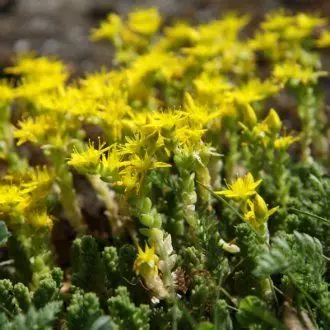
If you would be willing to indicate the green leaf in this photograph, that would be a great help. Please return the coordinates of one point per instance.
(103, 323)
(253, 310)
(41, 319)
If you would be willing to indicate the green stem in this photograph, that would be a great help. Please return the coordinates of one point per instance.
(233, 154)
(311, 215)
(108, 197)
(68, 197)
(307, 113)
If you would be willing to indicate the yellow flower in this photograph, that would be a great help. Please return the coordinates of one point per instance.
(143, 164)
(38, 182)
(265, 41)
(39, 75)
(146, 262)
(111, 162)
(31, 130)
(199, 116)
(210, 88)
(257, 212)
(249, 116)
(37, 66)
(294, 73)
(224, 30)
(165, 64)
(109, 29)
(12, 200)
(146, 21)
(7, 92)
(36, 130)
(254, 90)
(272, 122)
(309, 22)
(87, 161)
(203, 51)
(163, 122)
(139, 143)
(242, 188)
(324, 40)
(277, 21)
(285, 142)
(40, 219)
(180, 34)
(32, 86)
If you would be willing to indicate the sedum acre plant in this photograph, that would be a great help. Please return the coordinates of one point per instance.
(212, 206)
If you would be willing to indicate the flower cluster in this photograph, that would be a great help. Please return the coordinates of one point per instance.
(139, 155)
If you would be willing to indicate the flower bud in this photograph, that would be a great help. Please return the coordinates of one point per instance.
(260, 208)
(231, 248)
(188, 101)
(273, 121)
(249, 116)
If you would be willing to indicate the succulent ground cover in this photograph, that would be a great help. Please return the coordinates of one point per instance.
(215, 197)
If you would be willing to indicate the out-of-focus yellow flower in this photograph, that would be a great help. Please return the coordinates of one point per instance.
(283, 143)
(241, 189)
(277, 21)
(273, 122)
(202, 51)
(222, 30)
(249, 116)
(39, 75)
(32, 87)
(165, 64)
(180, 34)
(146, 21)
(309, 22)
(199, 116)
(109, 29)
(7, 92)
(254, 90)
(38, 181)
(265, 41)
(12, 200)
(324, 40)
(295, 73)
(68, 100)
(211, 87)
(40, 219)
(32, 130)
(36, 66)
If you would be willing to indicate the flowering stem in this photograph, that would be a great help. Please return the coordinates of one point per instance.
(108, 197)
(68, 197)
(232, 156)
(307, 114)
(7, 141)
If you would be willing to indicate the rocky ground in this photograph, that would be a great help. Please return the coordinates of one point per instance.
(61, 27)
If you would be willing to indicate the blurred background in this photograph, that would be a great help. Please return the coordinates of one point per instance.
(61, 27)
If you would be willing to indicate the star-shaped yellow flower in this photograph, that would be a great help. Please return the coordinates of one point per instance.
(242, 188)
(146, 262)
